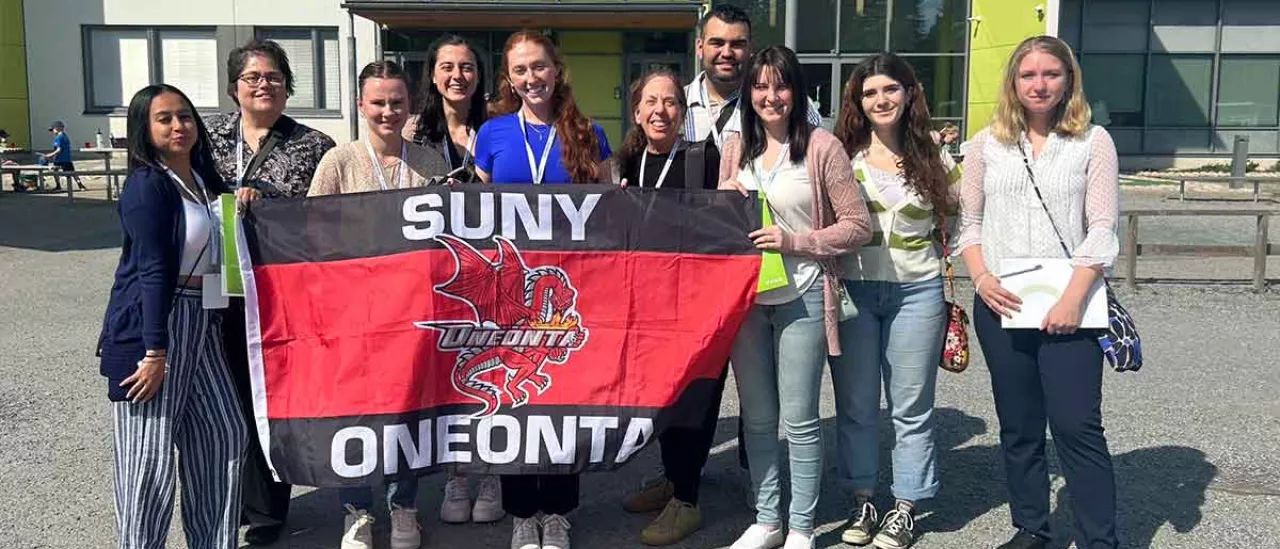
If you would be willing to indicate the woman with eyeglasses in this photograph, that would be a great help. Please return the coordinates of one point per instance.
(258, 147)
(161, 350)
(383, 161)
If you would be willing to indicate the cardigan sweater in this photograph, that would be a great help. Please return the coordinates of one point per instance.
(137, 316)
(840, 216)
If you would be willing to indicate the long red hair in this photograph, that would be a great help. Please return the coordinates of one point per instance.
(579, 146)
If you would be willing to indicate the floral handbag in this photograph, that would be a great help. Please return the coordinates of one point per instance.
(955, 342)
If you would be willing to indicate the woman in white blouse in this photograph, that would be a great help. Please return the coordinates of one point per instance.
(1054, 375)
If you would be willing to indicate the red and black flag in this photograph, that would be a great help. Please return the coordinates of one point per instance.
(505, 329)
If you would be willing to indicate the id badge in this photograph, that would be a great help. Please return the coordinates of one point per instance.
(211, 292)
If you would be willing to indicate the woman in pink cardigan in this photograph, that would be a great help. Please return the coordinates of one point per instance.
(818, 213)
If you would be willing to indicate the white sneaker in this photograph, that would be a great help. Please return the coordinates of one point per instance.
(405, 531)
(555, 532)
(357, 529)
(524, 534)
(456, 507)
(796, 540)
(759, 536)
(488, 506)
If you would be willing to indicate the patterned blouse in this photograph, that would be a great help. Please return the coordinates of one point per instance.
(287, 171)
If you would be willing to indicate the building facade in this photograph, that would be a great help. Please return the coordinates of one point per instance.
(1169, 78)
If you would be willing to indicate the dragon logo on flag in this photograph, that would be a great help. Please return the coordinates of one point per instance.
(524, 318)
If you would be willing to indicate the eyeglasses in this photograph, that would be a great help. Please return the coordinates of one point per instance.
(275, 79)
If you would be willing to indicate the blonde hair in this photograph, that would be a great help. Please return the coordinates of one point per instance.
(1073, 114)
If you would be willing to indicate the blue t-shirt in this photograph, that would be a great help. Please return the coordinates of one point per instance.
(61, 141)
(500, 151)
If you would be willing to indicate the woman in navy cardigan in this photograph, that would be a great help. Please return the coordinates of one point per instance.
(161, 349)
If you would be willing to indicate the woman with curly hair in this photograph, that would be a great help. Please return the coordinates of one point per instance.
(895, 281)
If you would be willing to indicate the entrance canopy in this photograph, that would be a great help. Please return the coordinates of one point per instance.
(639, 14)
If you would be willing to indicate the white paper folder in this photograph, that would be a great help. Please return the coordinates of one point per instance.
(1040, 283)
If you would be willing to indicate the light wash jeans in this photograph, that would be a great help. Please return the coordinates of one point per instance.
(399, 494)
(896, 338)
(777, 361)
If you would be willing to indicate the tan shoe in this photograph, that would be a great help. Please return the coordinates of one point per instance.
(652, 496)
(677, 521)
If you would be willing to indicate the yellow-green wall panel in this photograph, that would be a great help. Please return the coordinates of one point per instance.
(998, 27)
(15, 114)
(590, 42)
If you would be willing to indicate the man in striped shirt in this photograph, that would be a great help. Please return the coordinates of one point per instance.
(724, 46)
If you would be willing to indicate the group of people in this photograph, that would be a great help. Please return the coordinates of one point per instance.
(857, 215)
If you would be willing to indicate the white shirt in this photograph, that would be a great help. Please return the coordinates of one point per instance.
(197, 257)
(700, 117)
(790, 200)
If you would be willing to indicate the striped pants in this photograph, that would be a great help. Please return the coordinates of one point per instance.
(195, 411)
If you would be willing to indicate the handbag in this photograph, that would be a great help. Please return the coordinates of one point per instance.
(1120, 342)
(955, 339)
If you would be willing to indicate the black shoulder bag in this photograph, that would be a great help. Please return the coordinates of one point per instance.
(1120, 342)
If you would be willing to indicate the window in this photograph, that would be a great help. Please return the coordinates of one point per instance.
(1184, 26)
(1250, 26)
(1178, 90)
(928, 26)
(316, 62)
(768, 20)
(819, 34)
(1248, 90)
(862, 25)
(1116, 25)
(817, 78)
(119, 61)
(943, 82)
(1113, 86)
(1069, 24)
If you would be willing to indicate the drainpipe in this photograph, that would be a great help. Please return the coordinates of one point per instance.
(353, 116)
(789, 26)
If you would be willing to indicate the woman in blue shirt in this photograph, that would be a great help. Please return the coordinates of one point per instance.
(539, 135)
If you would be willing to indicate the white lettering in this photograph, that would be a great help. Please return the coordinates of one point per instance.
(484, 439)
(368, 463)
(599, 427)
(542, 433)
(638, 433)
(398, 439)
(445, 438)
(415, 215)
(578, 216)
(458, 209)
(516, 206)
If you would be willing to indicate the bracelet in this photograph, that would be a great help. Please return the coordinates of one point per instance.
(154, 355)
(977, 280)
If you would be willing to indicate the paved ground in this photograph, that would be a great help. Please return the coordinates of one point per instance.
(1196, 436)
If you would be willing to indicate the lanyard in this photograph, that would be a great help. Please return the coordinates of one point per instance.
(240, 154)
(729, 103)
(471, 143)
(202, 200)
(665, 167)
(765, 180)
(539, 169)
(377, 167)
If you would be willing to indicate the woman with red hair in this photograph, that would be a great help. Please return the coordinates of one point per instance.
(537, 135)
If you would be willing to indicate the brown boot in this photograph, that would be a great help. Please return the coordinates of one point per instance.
(677, 521)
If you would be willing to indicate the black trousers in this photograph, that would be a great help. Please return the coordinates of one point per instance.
(265, 502)
(685, 450)
(1039, 378)
(525, 495)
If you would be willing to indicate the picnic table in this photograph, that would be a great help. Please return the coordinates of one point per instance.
(17, 169)
(113, 182)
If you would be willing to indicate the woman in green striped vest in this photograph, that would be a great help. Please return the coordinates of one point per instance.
(896, 283)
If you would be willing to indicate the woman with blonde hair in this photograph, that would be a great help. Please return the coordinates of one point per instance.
(1041, 181)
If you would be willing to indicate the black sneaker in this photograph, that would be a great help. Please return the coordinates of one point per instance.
(898, 531)
(862, 523)
(263, 535)
(1025, 540)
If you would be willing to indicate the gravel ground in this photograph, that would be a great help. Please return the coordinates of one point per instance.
(1195, 436)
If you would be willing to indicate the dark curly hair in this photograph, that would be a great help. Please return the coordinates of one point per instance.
(580, 148)
(921, 162)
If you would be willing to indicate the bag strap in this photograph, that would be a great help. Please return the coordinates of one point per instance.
(948, 268)
(1036, 188)
(695, 163)
(274, 137)
(726, 114)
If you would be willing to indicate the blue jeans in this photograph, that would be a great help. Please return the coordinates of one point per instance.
(399, 494)
(777, 361)
(895, 339)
